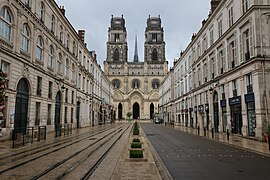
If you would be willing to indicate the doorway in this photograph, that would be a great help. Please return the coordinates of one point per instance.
(120, 111)
(57, 116)
(21, 106)
(152, 110)
(216, 117)
(136, 111)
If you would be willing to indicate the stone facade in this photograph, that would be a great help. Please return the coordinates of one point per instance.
(136, 83)
(222, 77)
(53, 79)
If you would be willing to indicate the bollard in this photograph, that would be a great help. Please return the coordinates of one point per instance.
(204, 129)
(212, 132)
(198, 130)
(228, 135)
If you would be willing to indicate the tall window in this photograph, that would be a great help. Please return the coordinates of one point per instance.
(74, 48)
(221, 62)
(154, 55)
(37, 118)
(66, 68)
(230, 16)
(211, 36)
(232, 54)
(246, 45)
(220, 28)
(71, 115)
(116, 37)
(39, 48)
(72, 72)
(249, 83)
(39, 85)
(205, 71)
(234, 88)
(59, 64)
(50, 90)
(154, 37)
(68, 41)
(5, 24)
(42, 11)
(50, 56)
(116, 55)
(25, 38)
(61, 33)
(49, 115)
(213, 66)
(53, 24)
(66, 98)
(244, 5)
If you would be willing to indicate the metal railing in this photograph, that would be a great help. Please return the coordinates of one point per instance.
(24, 135)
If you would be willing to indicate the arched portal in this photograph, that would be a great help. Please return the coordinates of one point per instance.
(215, 110)
(152, 110)
(57, 115)
(136, 111)
(21, 105)
(120, 111)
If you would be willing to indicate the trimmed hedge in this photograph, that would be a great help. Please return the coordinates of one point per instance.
(136, 140)
(136, 130)
(136, 145)
(136, 154)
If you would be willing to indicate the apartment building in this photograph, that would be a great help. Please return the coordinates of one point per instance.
(222, 77)
(53, 80)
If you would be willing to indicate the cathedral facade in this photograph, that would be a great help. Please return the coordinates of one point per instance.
(136, 82)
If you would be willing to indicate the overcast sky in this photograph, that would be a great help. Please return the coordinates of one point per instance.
(180, 18)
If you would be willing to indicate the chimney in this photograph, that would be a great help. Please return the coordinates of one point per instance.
(214, 5)
(81, 35)
(62, 9)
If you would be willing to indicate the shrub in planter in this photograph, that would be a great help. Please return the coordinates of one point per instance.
(136, 154)
(136, 145)
(135, 131)
(136, 140)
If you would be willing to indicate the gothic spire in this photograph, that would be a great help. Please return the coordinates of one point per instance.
(136, 56)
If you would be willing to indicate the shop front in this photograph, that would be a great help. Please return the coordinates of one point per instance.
(251, 117)
(236, 114)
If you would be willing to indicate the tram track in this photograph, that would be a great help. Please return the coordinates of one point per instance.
(56, 171)
(32, 150)
(21, 162)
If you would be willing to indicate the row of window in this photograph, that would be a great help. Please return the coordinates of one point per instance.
(135, 84)
(203, 98)
(49, 114)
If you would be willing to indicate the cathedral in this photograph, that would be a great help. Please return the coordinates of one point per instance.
(136, 83)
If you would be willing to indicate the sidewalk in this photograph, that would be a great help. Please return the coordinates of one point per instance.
(234, 140)
(6, 145)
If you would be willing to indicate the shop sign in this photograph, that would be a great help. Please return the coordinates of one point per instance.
(235, 100)
(249, 98)
(223, 103)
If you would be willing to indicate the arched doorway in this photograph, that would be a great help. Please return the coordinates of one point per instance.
(136, 111)
(21, 105)
(120, 111)
(78, 114)
(215, 110)
(57, 116)
(152, 110)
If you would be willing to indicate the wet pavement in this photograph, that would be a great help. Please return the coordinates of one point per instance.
(235, 140)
